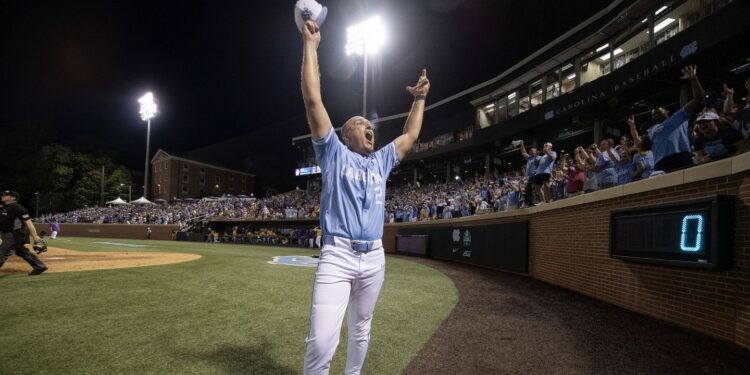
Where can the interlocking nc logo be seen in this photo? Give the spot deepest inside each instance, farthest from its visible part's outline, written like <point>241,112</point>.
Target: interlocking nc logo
<point>456,235</point>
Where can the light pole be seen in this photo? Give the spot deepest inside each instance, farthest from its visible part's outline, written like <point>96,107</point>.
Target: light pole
<point>148,111</point>
<point>129,195</point>
<point>362,39</point>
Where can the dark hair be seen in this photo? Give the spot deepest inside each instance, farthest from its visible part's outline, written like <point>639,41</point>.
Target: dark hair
<point>645,144</point>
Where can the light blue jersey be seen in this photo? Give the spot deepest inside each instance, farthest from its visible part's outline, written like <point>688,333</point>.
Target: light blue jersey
<point>512,198</point>
<point>546,163</point>
<point>607,173</point>
<point>531,166</point>
<point>648,163</point>
<point>353,196</point>
<point>671,136</point>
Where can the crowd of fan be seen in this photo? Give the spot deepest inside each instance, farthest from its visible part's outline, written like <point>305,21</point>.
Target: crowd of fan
<point>665,143</point>
<point>293,204</point>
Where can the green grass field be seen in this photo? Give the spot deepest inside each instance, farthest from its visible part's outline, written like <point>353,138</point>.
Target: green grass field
<point>228,312</point>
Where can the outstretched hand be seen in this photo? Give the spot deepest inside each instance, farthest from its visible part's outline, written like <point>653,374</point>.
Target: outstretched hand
<point>311,33</point>
<point>689,72</point>
<point>422,87</point>
<point>728,91</point>
<point>631,121</point>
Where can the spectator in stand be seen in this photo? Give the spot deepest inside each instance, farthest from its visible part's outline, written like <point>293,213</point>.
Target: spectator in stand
<point>643,161</point>
<point>739,118</point>
<point>532,160</point>
<point>558,184</point>
<point>624,168</point>
<point>669,135</point>
<point>513,194</point>
<point>716,141</point>
<point>543,174</point>
<point>606,176</point>
<point>584,161</point>
<point>574,171</point>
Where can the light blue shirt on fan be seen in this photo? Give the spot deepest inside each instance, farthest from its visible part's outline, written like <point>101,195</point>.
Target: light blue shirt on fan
<point>531,165</point>
<point>546,163</point>
<point>671,136</point>
<point>353,195</point>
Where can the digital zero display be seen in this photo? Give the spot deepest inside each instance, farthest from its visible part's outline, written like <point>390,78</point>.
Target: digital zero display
<point>695,233</point>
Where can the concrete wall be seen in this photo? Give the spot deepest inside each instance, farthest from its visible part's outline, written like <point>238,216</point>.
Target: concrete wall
<point>132,231</point>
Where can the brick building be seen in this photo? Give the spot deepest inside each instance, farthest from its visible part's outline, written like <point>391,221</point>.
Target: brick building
<point>179,177</point>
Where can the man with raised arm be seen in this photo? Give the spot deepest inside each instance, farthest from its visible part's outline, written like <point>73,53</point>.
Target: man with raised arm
<point>670,139</point>
<point>352,263</point>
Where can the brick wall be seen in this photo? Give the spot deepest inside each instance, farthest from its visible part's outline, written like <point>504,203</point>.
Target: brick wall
<point>132,231</point>
<point>569,247</point>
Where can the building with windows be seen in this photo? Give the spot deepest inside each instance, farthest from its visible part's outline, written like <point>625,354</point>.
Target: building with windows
<point>179,177</point>
<point>579,88</point>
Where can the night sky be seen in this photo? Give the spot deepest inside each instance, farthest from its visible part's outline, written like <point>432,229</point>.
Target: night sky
<point>219,69</point>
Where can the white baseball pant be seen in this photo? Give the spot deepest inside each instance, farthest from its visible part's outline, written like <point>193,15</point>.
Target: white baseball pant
<point>344,277</point>
<point>54,234</point>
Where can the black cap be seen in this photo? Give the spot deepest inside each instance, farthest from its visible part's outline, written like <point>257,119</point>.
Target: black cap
<point>12,193</point>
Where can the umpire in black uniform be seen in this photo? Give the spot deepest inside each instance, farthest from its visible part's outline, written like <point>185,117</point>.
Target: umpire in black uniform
<point>15,227</point>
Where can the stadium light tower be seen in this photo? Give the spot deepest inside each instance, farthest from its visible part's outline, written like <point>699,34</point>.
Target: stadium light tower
<point>365,38</point>
<point>148,111</point>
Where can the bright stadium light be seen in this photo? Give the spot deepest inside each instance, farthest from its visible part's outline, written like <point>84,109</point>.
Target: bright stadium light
<point>363,39</point>
<point>148,106</point>
<point>148,111</point>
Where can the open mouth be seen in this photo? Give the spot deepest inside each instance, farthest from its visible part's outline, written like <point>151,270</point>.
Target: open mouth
<point>370,136</point>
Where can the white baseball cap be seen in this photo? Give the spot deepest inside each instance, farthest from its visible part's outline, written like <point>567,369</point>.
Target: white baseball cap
<point>708,116</point>
<point>309,10</point>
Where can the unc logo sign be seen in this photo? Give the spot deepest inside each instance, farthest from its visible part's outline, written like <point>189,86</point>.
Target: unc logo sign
<point>295,260</point>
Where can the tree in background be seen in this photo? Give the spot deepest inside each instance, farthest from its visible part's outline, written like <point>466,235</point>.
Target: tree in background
<point>68,180</point>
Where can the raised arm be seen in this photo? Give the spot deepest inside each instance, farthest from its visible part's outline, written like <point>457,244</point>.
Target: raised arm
<point>523,151</point>
<point>690,73</point>
<point>405,142</point>
<point>634,131</point>
<point>730,107</point>
<point>317,117</point>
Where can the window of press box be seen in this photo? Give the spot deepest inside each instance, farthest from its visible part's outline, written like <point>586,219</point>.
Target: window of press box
<point>553,85</point>
<point>536,92</point>
<point>512,104</point>
<point>523,103</point>
<point>670,20</point>
<point>202,181</point>
<point>184,178</point>
<point>568,77</point>
<point>185,167</point>
<point>203,170</point>
<point>486,115</point>
<point>596,63</point>
<point>632,44</point>
<point>502,109</point>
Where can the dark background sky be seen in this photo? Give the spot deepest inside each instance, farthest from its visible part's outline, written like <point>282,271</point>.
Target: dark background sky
<point>219,69</point>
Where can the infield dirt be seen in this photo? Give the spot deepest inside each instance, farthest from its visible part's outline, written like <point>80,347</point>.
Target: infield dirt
<point>61,260</point>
